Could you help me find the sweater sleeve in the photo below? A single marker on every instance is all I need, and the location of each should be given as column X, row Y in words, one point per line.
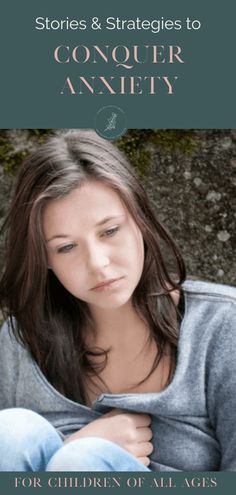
column 9, row 367
column 221, row 388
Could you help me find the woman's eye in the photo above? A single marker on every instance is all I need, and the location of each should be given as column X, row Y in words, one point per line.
column 66, row 249
column 110, row 232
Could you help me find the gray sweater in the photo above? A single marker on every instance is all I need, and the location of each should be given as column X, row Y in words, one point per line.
column 193, row 419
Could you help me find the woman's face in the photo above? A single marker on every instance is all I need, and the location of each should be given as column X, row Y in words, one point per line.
column 94, row 246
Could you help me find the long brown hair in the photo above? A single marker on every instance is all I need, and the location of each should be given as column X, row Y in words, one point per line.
column 44, row 316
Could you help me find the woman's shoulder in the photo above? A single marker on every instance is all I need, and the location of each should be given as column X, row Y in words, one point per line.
column 8, row 341
column 209, row 291
column 10, row 359
column 208, row 328
column 5, row 331
column 210, row 311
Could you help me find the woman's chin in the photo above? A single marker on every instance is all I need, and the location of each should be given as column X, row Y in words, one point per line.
column 112, row 302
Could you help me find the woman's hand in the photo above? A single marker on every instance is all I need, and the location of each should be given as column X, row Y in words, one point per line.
column 129, row 430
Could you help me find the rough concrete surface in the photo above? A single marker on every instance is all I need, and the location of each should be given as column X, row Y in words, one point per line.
column 195, row 196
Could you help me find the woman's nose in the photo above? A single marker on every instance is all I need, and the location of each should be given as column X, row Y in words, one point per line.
column 98, row 258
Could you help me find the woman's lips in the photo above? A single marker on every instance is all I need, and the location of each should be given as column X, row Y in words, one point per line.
column 106, row 284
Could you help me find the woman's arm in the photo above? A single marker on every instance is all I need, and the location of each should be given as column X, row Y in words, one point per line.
column 221, row 388
column 9, row 367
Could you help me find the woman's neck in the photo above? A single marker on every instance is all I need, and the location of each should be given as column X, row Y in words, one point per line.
column 118, row 328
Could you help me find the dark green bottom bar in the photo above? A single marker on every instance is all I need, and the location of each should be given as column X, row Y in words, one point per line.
column 178, row 483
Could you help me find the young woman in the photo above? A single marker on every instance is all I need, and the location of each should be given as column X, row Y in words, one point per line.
column 109, row 361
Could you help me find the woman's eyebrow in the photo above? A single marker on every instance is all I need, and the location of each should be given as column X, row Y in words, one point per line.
column 57, row 236
column 107, row 219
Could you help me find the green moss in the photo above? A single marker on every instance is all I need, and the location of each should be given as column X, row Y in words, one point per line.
column 40, row 134
column 10, row 159
column 135, row 144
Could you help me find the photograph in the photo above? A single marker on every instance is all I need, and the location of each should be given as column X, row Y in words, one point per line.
column 118, row 300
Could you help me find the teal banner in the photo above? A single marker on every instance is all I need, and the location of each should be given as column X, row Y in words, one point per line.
column 163, row 64
column 119, row 483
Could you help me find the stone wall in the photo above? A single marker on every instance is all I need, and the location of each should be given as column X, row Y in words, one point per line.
column 194, row 195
